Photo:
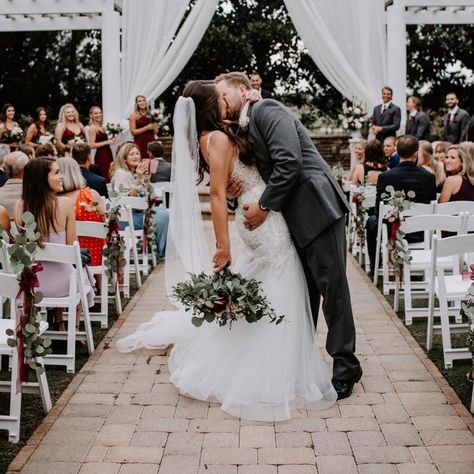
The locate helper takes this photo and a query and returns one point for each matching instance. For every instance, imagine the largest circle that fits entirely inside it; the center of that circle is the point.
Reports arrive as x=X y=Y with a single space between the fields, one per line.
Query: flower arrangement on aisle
x=354 y=118
x=114 y=249
x=26 y=335
x=12 y=136
x=113 y=129
x=159 y=117
x=361 y=215
x=147 y=191
x=467 y=310
x=223 y=297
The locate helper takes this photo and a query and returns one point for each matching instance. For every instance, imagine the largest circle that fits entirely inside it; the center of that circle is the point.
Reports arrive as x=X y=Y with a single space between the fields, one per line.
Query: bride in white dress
x=258 y=371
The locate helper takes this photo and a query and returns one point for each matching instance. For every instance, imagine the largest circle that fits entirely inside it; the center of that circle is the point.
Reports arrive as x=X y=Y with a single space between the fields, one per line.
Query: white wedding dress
x=259 y=371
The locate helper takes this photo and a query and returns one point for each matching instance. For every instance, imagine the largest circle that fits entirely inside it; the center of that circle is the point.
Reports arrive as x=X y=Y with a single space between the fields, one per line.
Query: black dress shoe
x=344 y=387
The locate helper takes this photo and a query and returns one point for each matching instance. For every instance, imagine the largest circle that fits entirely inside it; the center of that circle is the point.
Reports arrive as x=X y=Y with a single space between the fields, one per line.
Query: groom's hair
x=235 y=79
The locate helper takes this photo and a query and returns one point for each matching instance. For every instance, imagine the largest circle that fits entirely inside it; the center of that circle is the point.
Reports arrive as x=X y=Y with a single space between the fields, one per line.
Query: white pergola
x=416 y=12
x=50 y=15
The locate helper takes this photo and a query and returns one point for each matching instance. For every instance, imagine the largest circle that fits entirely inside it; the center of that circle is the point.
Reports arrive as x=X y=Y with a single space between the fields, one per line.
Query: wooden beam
x=20 y=7
x=49 y=23
x=438 y=3
x=440 y=17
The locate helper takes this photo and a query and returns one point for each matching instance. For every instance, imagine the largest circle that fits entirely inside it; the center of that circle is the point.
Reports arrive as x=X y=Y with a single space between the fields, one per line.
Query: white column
x=397 y=56
x=111 y=86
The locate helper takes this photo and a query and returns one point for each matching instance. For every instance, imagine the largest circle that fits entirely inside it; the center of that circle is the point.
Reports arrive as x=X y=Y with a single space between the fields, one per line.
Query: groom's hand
x=254 y=215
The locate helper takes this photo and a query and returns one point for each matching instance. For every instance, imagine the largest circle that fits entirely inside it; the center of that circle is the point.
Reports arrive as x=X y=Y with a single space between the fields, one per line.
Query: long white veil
x=186 y=247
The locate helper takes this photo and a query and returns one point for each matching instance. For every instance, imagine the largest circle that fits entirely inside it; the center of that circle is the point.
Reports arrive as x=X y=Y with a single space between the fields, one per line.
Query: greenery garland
x=360 y=217
x=114 y=250
x=26 y=335
x=467 y=310
x=146 y=191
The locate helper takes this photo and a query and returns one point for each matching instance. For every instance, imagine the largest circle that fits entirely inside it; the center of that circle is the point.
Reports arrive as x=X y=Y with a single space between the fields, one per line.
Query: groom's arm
x=278 y=129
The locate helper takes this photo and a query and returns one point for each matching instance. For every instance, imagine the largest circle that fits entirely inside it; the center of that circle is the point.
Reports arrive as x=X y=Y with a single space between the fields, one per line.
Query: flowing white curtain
x=346 y=39
x=153 y=50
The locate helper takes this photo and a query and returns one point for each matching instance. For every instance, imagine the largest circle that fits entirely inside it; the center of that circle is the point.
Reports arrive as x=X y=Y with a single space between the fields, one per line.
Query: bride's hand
x=221 y=259
x=234 y=189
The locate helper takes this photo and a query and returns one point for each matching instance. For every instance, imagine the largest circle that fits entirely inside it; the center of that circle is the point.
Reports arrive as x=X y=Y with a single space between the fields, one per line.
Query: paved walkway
x=121 y=414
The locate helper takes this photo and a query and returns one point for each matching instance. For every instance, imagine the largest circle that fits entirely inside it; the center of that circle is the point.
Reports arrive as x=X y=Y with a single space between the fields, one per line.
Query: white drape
x=154 y=51
x=346 y=40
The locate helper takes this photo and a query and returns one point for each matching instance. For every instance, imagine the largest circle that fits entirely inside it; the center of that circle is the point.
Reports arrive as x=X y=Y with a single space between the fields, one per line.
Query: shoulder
x=396 y=108
x=95 y=195
x=60 y=126
x=215 y=140
x=32 y=126
x=453 y=181
x=65 y=202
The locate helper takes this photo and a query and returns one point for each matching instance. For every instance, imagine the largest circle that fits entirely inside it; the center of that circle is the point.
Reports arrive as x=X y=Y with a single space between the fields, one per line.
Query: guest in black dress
x=375 y=163
x=459 y=187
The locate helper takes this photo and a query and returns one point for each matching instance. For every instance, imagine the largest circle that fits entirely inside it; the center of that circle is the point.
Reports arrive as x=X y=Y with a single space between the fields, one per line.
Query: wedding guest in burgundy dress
x=99 y=140
x=458 y=186
x=142 y=129
x=7 y=124
x=69 y=129
x=38 y=132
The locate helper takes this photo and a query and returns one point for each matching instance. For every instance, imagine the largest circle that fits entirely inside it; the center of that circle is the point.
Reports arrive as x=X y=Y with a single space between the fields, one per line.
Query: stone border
x=33 y=442
x=451 y=395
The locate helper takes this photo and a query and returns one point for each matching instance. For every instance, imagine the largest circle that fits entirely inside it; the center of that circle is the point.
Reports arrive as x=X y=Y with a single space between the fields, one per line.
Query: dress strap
x=209 y=139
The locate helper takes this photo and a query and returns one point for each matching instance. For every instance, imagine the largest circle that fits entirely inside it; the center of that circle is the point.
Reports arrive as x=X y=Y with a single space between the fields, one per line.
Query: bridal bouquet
x=12 y=136
x=353 y=117
x=224 y=297
x=113 y=129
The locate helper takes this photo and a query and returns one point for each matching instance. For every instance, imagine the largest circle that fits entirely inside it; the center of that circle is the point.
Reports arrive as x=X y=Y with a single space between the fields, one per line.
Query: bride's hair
x=208 y=118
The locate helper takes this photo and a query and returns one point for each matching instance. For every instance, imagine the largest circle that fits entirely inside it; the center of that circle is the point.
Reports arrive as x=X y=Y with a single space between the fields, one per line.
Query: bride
x=257 y=371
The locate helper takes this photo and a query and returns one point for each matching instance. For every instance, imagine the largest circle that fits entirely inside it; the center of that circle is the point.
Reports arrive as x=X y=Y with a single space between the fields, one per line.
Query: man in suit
x=81 y=152
x=12 y=190
x=302 y=187
x=386 y=117
x=163 y=172
x=407 y=176
x=390 y=152
x=418 y=123
x=455 y=120
x=4 y=150
x=256 y=81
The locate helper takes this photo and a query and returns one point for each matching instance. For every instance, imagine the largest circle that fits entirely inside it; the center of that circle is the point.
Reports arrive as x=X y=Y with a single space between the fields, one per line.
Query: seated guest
x=407 y=177
x=81 y=152
x=46 y=149
x=4 y=150
x=28 y=149
x=88 y=205
x=426 y=160
x=128 y=174
x=390 y=151
x=55 y=220
x=453 y=161
x=4 y=219
x=418 y=123
x=459 y=187
x=14 y=165
x=468 y=147
x=440 y=150
x=359 y=153
x=375 y=163
x=163 y=171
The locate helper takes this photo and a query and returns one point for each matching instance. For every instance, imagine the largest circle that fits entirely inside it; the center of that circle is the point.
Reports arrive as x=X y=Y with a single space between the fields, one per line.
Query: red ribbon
x=470 y=274
x=28 y=282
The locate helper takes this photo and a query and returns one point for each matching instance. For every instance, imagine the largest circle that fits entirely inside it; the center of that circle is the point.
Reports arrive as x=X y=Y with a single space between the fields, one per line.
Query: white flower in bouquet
x=76 y=140
x=244 y=122
x=159 y=117
x=113 y=129
x=16 y=134
x=353 y=117
x=45 y=139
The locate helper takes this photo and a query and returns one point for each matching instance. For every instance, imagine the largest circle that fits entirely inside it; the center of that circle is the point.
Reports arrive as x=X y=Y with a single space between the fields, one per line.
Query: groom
x=301 y=186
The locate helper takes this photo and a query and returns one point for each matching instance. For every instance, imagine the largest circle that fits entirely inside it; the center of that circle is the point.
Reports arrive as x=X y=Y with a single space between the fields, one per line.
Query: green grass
x=31 y=408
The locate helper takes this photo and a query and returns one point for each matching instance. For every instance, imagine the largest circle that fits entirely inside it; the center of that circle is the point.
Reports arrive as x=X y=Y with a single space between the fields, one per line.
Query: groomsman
x=256 y=81
x=386 y=117
x=418 y=123
x=455 y=120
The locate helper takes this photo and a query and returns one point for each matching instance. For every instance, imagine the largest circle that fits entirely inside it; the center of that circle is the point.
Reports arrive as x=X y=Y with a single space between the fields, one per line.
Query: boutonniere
x=244 y=122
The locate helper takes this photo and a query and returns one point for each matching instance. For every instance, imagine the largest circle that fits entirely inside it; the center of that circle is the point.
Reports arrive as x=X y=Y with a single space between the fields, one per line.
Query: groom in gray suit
x=302 y=187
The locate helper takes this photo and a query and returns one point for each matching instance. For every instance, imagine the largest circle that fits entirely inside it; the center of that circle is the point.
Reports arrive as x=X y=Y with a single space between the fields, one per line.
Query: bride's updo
x=208 y=118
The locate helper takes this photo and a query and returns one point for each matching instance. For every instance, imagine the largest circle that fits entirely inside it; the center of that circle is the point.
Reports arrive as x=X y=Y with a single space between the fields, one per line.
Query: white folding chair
x=448 y=288
x=454 y=207
x=420 y=263
x=68 y=254
x=98 y=230
x=9 y=289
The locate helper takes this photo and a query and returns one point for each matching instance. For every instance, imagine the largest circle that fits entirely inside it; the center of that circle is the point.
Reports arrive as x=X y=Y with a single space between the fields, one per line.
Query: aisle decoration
x=159 y=117
x=147 y=191
x=223 y=297
x=354 y=118
x=339 y=173
x=360 y=217
x=467 y=310
x=113 y=129
x=114 y=250
x=30 y=344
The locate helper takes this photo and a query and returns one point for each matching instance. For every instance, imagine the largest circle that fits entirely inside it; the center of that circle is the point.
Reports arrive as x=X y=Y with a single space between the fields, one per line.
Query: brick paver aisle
x=121 y=414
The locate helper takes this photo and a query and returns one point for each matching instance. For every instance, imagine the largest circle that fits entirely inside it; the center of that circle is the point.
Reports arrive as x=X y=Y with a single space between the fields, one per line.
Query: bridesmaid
x=39 y=128
x=69 y=128
x=141 y=127
x=98 y=139
x=7 y=124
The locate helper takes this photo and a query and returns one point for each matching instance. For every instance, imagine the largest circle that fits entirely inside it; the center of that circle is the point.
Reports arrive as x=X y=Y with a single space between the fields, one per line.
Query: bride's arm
x=219 y=156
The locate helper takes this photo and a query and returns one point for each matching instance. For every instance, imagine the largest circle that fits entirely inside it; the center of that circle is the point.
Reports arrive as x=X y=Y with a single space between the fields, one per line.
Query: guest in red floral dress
x=141 y=127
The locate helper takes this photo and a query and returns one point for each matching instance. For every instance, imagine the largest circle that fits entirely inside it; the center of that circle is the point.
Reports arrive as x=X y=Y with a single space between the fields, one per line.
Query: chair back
x=457 y=245
x=9 y=286
x=454 y=207
x=469 y=223
x=91 y=229
x=433 y=222
x=135 y=203
x=60 y=253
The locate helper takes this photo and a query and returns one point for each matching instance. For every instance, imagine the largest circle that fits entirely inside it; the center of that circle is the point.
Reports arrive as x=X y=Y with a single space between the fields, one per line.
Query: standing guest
x=88 y=205
x=14 y=165
x=390 y=151
x=459 y=187
x=7 y=124
x=141 y=128
x=69 y=129
x=359 y=154
x=470 y=131
x=163 y=171
x=455 y=120
x=28 y=149
x=386 y=117
x=128 y=174
x=256 y=81
x=46 y=149
x=38 y=131
x=427 y=161
x=4 y=150
x=418 y=123
x=453 y=161
x=55 y=221
x=375 y=163
x=440 y=150
x=98 y=139
x=4 y=219
x=81 y=152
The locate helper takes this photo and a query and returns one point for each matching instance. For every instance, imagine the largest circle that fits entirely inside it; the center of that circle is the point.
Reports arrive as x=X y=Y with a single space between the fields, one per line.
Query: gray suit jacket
x=390 y=120
x=10 y=192
x=418 y=126
x=163 y=173
x=455 y=132
x=300 y=183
